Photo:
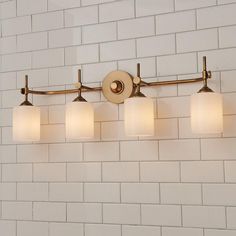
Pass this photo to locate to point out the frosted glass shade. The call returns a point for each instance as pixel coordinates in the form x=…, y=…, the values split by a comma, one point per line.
x=79, y=121
x=139, y=116
x=26, y=123
x=206, y=113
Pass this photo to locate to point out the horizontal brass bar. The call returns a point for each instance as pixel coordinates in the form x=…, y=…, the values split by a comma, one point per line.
x=65, y=91
x=94, y=89
x=172, y=82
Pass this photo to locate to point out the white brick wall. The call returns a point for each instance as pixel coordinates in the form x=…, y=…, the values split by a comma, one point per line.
x=173, y=184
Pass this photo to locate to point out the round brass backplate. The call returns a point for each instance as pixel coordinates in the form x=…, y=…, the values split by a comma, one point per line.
x=121, y=78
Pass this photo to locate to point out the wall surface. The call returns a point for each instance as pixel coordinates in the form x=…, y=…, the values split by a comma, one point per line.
x=173, y=184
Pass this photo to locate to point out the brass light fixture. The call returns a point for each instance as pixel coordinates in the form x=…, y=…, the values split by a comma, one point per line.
x=79, y=116
x=26, y=119
x=119, y=87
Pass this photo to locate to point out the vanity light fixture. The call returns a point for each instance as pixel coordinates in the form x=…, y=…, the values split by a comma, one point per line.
x=120, y=87
x=79, y=116
x=26, y=120
x=138, y=111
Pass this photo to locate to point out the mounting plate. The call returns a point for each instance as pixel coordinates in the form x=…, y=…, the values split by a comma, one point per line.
x=117, y=86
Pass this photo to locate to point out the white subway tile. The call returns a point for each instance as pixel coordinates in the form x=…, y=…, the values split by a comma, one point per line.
x=166, y=129
x=37, y=78
x=8, y=80
x=30, y=42
x=181, y=193
x=28, y=228
x=48, y=58
x=97, y=72
x=140, y=193
x=231, y=213
x=8, y=45
x=219, y=59
x=47, y=21
x=155, y=46
x=116, y=10
x=120, y=172
x=105, y=111
x=102, y=192
x=66, y=192
x=17, y=210
x=175, y=22
x=152, y=7
x=64, y=37
x=219, y=194
x=134, y=28
x=102, y=230
x=218, y=149
x=227, y=81
x=120, y=50
x=7, y=154
x=56, y=114
x=99, y=33
x=226, y=36
x=81, y=54
x=14, y=62
x=197, y=40
x=131, y=230
x=229, y=106
x=17, y=172
x=203, y=216
x=170, y=231
x=8, y=228
x=84, y=172
x=62, y=4
x=162, y=215
x=121, y=214
x=84, y=212
x=49, y=211
x=81, y=16
x=62, y=229
x=159, y=172
x=177, y=64
x=17, y=25
x=229, y=127
x=8, y=9
x=216, y=232
x=202, y=171
x=192, y=4
x=230, y=171
x=216, y=16
x=32, y=153
x=148, y=66
x=105, y=151
x=52, y=133
x=173, y=107
x=47, y=172
x=28, y=7
x=139, y=150
x=7, y=191
x=32, y=191
x=69, y=152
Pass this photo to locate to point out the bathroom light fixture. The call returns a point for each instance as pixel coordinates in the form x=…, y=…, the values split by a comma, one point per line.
x=79, y=116
x=119, y=87
x=138, y=111
x=26, y=120
x=206, y=108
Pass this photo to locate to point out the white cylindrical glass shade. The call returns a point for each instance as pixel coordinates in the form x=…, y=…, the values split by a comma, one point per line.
x=206, y=113
x=139, y=116
x=79, y=121
x=26, y=124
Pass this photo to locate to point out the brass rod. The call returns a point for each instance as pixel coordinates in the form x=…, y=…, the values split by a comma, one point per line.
x=138, y=70
x=172, y=82
x=61, y=91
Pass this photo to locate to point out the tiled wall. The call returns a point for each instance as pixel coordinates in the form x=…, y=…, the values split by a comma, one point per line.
x=173, y=184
